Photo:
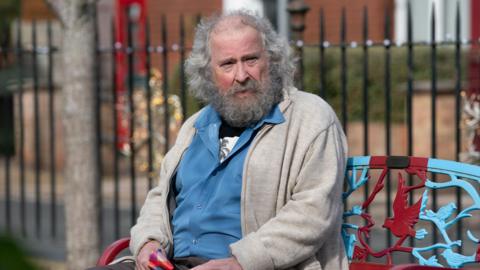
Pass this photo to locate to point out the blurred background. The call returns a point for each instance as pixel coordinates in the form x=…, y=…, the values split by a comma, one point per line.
x=403, y=77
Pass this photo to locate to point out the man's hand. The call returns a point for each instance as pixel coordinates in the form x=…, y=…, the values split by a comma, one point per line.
x=141, y=261
x=221, y=264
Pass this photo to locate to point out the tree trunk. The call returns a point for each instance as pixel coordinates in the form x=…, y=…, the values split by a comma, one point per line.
x=81, y=166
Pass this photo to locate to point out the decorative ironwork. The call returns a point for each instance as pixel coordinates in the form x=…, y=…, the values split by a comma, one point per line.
x=402, y=224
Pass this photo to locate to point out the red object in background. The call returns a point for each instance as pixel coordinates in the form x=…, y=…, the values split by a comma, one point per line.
x=126, y=11
x=158, y=261
x=404, y=216
x=111, y=252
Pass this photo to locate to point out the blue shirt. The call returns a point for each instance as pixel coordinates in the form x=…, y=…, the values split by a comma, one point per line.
x=207, y=218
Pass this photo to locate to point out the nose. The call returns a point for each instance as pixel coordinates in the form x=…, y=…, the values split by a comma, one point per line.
x=241, y=75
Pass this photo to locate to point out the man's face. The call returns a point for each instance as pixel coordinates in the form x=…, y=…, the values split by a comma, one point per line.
x=239, y=62
x=242, y=89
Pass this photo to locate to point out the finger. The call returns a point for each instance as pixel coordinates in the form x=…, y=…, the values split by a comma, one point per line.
x=142, y=265
x=138, y=266
x=145, y=267
x=163, y=253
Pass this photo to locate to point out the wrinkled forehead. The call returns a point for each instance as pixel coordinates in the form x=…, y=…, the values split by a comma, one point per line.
x=232, y=23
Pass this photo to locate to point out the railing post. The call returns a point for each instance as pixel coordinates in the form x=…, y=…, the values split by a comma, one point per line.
x=297, y=10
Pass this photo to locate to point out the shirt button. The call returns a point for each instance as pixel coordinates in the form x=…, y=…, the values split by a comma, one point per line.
x=198, y=206
x=194, y=241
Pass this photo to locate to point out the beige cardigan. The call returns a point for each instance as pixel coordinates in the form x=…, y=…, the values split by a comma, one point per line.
x=291, y=205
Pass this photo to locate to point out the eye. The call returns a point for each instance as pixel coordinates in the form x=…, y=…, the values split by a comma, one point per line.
x=226, y=65
x=251, y=60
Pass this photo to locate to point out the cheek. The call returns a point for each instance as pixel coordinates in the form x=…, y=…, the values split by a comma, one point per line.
x=260, y=72
x=223, y=82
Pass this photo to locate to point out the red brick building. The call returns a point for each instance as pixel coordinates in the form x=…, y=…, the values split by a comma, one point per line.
x=332, y=11
x=173, y=10
x=35, y=10
x=332, y=16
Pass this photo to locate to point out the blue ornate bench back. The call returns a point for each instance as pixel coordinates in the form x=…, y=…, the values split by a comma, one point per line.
x=437, y=229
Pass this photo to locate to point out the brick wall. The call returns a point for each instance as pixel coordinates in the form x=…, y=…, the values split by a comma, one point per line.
x=332, y=11
x=36, y=10
x=173, y=10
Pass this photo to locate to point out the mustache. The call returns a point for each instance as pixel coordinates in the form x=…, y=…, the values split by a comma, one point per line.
x=251, y=85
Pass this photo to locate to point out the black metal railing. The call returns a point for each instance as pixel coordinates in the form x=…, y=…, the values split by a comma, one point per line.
x=25, y=214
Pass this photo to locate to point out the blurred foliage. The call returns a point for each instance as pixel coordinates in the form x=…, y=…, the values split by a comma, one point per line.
x=12, y=257
x=422, y=71
x=9, y=9
x=193, y=105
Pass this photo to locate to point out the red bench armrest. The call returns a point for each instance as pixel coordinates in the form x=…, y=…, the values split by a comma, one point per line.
x=113, y=250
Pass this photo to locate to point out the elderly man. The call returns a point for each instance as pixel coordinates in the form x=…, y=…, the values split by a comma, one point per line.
x=254, y=179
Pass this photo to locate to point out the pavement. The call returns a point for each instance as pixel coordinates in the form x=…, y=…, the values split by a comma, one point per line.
x=44, y=264
x=46, y=249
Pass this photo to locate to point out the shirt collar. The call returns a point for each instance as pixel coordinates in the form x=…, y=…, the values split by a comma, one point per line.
x=275, y=116
x=207, y=117
x=210, y=116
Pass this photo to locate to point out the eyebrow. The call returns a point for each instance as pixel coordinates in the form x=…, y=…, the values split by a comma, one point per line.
x=243, y=58
x=226, y=60
x=255, y=54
